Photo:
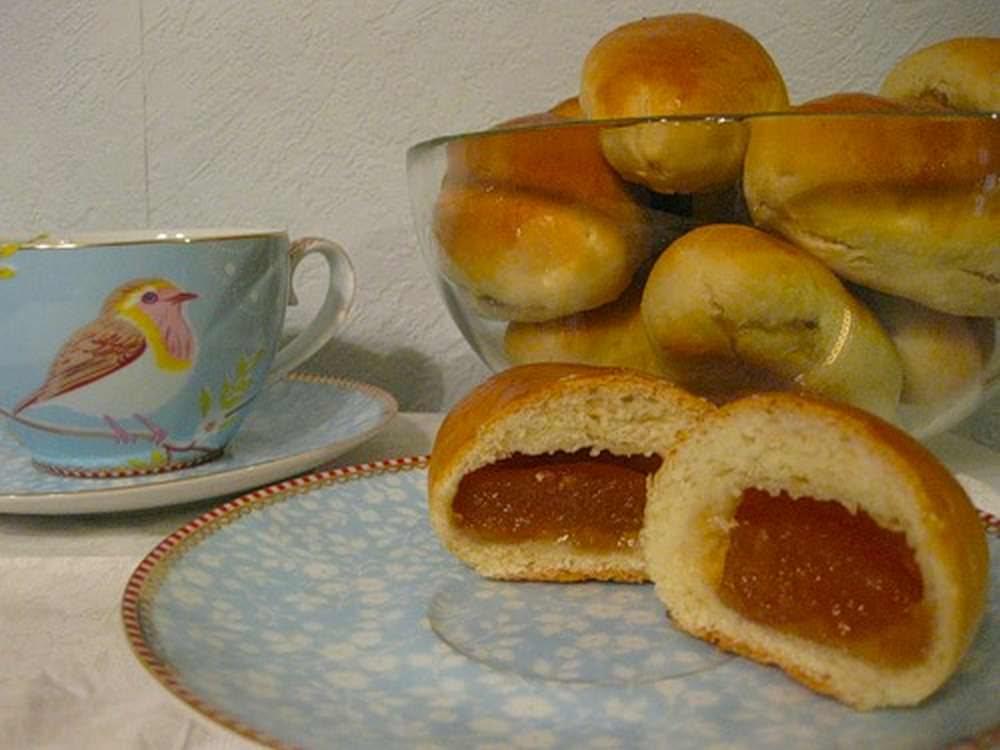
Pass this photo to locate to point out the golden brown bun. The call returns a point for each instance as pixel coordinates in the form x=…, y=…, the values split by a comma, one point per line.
x=568, y=109
x=612, y=335
x=944, y=356
x=682, y=64
x=730, y=309
x=808, y=448
x=906, y=204
x=859, y=102
x=534, y=224
x=962, y=73
x=538, y=409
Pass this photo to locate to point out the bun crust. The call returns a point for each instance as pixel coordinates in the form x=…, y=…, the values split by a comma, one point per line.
x=731, y=309
x=944, y=356
x=534, y=224
x=611, y=336
x=538, y=409
x=903, y=205
x=786, y=442
x=961, y=73
x=682, y=64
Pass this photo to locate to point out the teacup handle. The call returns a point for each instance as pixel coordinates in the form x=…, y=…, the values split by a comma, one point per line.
x=331, y=314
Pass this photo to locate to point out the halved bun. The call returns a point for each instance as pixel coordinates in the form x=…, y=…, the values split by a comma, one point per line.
x=548, y=423
x=816, y=537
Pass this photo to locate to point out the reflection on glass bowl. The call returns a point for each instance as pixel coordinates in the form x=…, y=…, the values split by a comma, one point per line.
x=852, y=254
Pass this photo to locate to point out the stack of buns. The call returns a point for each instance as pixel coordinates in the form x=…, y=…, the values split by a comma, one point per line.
x=792, y=530
x=714, y=320
x=872, y=275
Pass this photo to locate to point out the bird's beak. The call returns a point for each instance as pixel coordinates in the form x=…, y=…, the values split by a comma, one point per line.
x=180, y=297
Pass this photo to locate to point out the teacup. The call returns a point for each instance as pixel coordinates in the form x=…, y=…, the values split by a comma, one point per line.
x=136, y=352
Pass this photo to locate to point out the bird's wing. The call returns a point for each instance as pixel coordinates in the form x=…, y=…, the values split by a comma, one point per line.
x=96, y=350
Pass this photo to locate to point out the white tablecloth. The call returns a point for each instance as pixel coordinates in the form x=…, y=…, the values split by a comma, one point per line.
x=67, y=676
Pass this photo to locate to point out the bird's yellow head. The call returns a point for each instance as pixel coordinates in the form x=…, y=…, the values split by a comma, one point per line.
x=129, y=295
x=154, y=306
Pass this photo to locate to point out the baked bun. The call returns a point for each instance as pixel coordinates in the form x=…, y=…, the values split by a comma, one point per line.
x=943, y=356
x=906, y=203
x=816, y=537
x=533, y=224
x=612, y=335
x=540, y=473
x=859, y=102
x=682, y=64
x=730, y=309
x=962, y=74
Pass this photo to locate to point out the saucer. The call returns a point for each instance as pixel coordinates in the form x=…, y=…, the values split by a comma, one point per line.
x=299, y=422
x=324, y=612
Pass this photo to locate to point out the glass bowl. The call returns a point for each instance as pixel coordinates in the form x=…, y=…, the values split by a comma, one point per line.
x=855, y=255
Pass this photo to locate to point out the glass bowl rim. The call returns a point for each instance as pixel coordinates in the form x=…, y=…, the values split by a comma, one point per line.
x=435, y=142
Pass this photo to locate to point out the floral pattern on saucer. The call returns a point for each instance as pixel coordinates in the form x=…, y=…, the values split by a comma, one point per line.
x=297, y=424
x=304, y=615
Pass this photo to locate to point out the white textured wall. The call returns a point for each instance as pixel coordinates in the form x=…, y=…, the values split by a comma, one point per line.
x=129, y=113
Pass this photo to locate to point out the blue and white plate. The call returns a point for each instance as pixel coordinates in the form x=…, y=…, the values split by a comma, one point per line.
x=297, y=424
x=323, y=613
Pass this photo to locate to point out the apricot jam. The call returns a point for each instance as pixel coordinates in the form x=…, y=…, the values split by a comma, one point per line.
x=813, y=569
x=594, y=503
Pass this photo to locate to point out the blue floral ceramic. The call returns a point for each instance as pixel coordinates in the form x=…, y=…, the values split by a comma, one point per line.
x=300, y=422
x=322, y=613
x=142, y=352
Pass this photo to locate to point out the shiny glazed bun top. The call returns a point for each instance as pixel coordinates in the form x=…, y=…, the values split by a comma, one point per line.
x=683, y=64
x=679, y=64
x=961, y=73
x=523, y=153
x=534, y=224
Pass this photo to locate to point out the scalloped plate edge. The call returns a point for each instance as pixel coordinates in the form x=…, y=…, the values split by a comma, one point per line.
x=144, y=581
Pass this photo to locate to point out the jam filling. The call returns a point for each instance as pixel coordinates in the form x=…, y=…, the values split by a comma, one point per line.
x=812, y=568
x=593, y=503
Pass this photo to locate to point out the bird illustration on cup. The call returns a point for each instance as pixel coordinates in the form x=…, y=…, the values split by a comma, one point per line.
x=127, y=363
